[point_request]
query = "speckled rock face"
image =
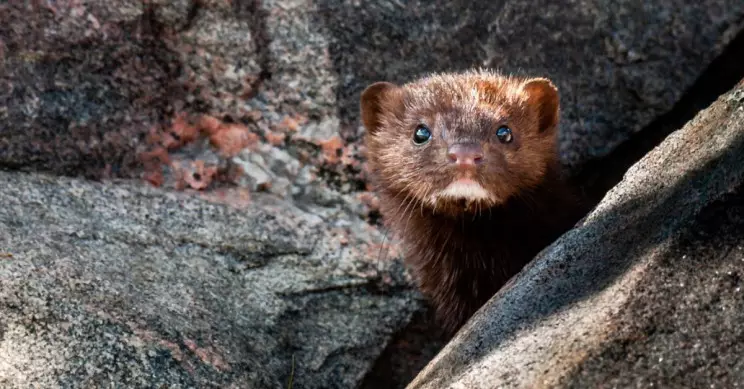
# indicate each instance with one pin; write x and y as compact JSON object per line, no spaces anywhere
{"x":134,"y":287}
{"x":95,"y":87}
{"x":646,"y":291}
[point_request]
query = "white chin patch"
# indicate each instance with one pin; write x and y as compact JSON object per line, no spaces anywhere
{"x":468,"y":190}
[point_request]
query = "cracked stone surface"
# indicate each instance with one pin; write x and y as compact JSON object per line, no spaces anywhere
{"x":133,"y":286}
{"x":646,"y":291}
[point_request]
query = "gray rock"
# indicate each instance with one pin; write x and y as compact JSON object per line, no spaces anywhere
{"x":120,"y":68}
{"x":318,"y":132}
{"x":645,"y":291}
{"x":135,"y":287}
{"x":82,"y":83}
{"x":254,"y":167}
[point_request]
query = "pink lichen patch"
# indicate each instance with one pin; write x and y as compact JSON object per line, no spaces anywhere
{"x":207,"y":355}
{"x":209,"y":124}
{"x":275,"y":138}
{"x":195,"y":175}
{"x":183,"y":129}
{"x":332,"y":149}
{"x":230,"y":139}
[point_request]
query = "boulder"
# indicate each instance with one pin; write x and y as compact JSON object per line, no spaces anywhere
{"x":647,"y":290}
{"x":135,"y":287}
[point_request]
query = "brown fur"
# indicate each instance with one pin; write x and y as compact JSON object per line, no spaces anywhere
{"x":462,"y":252}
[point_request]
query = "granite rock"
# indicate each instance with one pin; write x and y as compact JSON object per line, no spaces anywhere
{"x":129,"y":285}
{"x":83,"y":83}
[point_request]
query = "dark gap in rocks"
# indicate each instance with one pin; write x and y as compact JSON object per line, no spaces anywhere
{"x":407,"y":353}
{"x":599,"y":176}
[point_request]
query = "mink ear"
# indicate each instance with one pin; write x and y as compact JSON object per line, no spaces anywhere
{"x":375,"y":100}
{"x":543,"y":95}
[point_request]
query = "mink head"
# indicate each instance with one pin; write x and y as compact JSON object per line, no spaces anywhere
{"x":450,"y":140}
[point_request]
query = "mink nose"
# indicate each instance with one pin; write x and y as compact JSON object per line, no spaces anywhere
{"x":465,"y":154}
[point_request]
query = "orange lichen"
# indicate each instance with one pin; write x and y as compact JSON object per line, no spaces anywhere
{"x":209,"y":124}
{"x":184,"y":129}
{"x":207,"y":355}
{"x":275,"y":139}
{"x":196,"y":175}
{"x":230,"y":139}
{"x":332,"y":149}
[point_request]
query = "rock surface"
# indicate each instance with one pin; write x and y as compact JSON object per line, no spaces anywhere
{"x":646,"y":291}
{"x":122,"y":285}
{"x":84,"y":83}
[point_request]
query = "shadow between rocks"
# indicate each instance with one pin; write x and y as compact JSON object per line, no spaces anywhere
{"x":599,"y":176}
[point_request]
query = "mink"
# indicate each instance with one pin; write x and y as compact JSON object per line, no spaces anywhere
{"x":467,"y":170}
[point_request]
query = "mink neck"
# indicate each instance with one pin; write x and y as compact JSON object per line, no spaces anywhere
{"x":462,"y":259}
{"x":502,"y":232}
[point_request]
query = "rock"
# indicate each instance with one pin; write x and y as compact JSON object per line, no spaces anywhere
{"x":646,"y":291}
{"x":255,"y":169}
{"x":319,"y":132}
{"x":82,"y":83}
{"x":134,"y":286}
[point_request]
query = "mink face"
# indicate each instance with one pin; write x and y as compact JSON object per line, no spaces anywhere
{"x":466,"y":168}
{"x":461,"y":142}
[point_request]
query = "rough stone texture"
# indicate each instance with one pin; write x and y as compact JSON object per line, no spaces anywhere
{"x":683,"y":329}
{"x":123,"y":285}
{"x":83,"y":83}
{"x":80,"y":86}
{"x":645,"y":291}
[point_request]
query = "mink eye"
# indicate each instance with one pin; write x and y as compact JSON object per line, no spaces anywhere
{"x":421,"y":135}
{"x":504,"y":134}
